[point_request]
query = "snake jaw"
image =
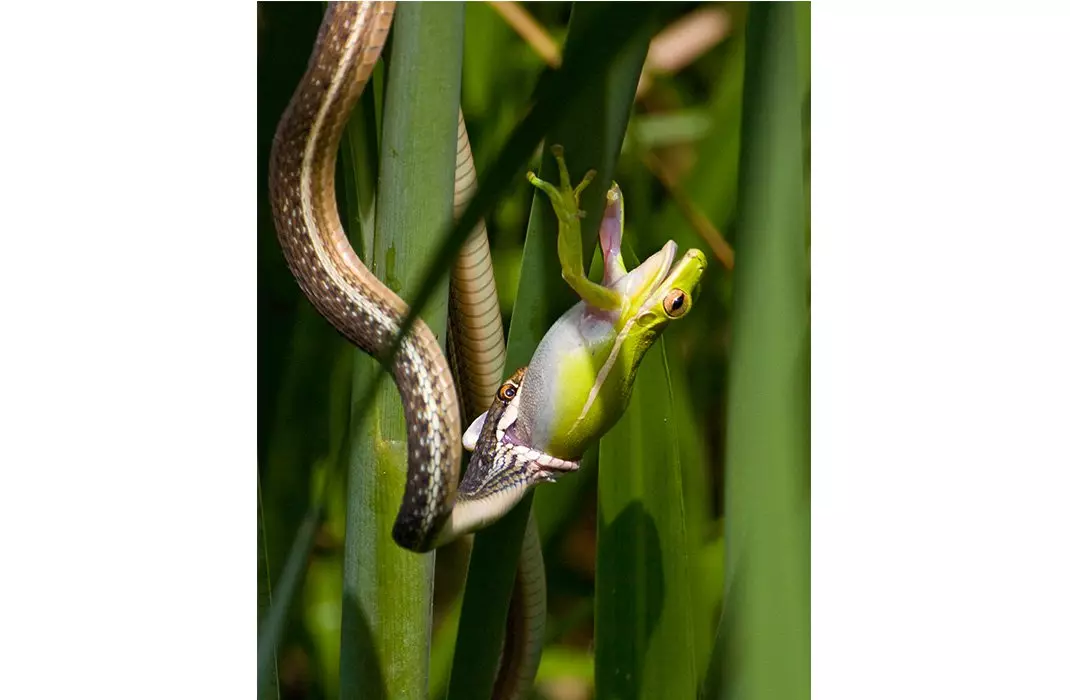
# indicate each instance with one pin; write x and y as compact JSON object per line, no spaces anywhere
{"x":492,"y":487}
{"x":548,"y":467}
{"x":502,"y":469}
{"x":501,"y":462}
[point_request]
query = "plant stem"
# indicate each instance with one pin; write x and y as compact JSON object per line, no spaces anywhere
{"x":386,"y":621}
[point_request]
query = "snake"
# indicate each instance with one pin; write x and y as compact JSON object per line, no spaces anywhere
{"x":370,"y":315}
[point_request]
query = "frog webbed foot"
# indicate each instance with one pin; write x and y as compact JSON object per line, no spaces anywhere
{"x":566,"y":203}
{"x":565,"y":199}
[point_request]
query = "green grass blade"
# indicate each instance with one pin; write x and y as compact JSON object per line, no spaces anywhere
{"x":321,"y":596}
{"x":711,"y":186}
{"x":263,"y":580}
{"x":387,"y":590}
{"x":289,"y":583}
{"x":767,"y":485}
{"x":301,"y":436}
{"x":602,"y":59}
{"x":644,"y":618}
{"x":442,"y":648}
{"x":705,"y":543}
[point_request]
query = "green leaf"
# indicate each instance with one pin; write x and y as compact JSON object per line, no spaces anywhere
{"x":288,"y":585}
{"x":767,"y":483}
{"x":705,"y":545}
{"x":301,"y":435}
{"x":644,"y":618}
{"x":387,"y":590}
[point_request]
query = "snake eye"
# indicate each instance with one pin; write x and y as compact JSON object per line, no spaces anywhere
{"x":676,"y":303}
{"x":506,"y":392}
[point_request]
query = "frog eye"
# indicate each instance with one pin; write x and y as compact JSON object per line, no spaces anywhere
{"x":676,"y":303}
{"x":506,"y":392}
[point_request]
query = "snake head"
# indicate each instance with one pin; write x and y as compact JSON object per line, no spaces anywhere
{"x":501,"y":469}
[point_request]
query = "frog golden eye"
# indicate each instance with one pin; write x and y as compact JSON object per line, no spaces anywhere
{"x":676,"y":303}
{"x":506,"y":392}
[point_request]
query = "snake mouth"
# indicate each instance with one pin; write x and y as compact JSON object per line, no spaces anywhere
{"x":510,"y":465}
{"x":544,"y":467}
{"x":493,"y":485}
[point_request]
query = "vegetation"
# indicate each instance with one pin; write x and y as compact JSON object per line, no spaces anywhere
{"x":677,"y":559}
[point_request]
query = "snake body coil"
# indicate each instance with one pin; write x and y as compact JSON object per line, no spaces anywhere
{"x":362,"y":308}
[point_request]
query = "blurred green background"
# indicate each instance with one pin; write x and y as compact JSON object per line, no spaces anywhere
{"x":681,"y":174}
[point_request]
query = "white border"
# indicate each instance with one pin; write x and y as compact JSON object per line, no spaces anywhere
{"x":129,"y":350}
{"x":941,"y":359}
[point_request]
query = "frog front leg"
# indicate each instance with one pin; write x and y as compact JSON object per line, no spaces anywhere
{"x":566,"y":204}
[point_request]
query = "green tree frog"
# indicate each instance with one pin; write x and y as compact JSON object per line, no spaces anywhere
{"x":580,"y":378}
